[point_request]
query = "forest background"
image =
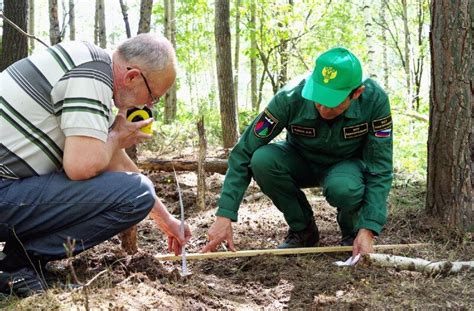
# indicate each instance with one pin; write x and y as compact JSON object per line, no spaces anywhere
{"x":282,"y":38}
{"x":233,"y":57}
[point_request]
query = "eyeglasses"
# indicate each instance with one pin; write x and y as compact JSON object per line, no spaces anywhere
{"x":154,"y":99}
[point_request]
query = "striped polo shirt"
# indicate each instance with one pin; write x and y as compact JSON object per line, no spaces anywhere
{"x":63,"y":91}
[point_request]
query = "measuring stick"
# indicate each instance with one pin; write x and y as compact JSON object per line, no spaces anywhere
{"x":184,"y":266}
{"x":285,"y":251}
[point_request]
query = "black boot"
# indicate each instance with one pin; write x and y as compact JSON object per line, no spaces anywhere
{"x":348,"y":240}
{"x":307,"y":237}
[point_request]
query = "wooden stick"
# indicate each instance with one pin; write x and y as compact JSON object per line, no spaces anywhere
{"x":286,"y":251}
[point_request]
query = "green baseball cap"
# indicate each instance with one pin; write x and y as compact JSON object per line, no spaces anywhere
{"x":336,"y":73}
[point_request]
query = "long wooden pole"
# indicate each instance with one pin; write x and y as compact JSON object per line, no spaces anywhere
{"x":286,"y":251}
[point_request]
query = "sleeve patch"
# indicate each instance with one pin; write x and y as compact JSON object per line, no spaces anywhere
{"x":265,"y":125}
{"x":382,"y":124}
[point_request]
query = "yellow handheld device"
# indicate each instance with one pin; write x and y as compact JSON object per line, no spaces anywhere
{"x":137,"y":114}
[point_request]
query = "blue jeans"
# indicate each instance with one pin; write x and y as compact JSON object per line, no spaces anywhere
{"x":40,"y":213}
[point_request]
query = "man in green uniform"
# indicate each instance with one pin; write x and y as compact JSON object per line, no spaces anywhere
{"x":338,"y":137}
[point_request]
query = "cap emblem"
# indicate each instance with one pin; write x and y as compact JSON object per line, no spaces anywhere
{"x":329,"y":73}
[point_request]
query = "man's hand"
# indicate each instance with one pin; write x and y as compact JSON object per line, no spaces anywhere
{"x":220,"y":231}
{"x":175,"y":238}
{"x":363,"y":243}
{"x":171,"y":227}
{"x":128,"y":133}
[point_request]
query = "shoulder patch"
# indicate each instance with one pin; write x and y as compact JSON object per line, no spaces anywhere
{"x":382,"y":124}
{"x":355,"y":131}
{"x":265,"y":125}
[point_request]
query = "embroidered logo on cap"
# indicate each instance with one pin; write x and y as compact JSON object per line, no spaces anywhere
{"x":265,"y":125}
{"x":329,"y":73}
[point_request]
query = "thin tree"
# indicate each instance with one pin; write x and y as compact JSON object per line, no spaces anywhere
{"x":100,"y":32}
{"x":54,"y":31}
{"x":145,"y":16}
{"x":31,"y":24}
{"x":253,"y":57}
{"x":72,"y":21}
{"x":170,"y":33}
{"x":124,"y":8}
{"x":224,"y":74}
{"x":237,"y":52}
{"x":450,"y":140}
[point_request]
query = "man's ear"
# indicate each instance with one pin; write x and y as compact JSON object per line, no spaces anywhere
{"x":131,"y":76}
{"x":359,"y":91}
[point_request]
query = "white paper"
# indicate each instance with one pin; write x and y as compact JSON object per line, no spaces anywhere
{"x":349,"y":262}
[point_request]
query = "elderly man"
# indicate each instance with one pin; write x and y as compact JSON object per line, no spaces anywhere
{"x":64,"y":173}
{"x":338,"y":137}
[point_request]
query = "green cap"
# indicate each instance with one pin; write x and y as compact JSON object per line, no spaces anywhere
{"x":336,"y":73}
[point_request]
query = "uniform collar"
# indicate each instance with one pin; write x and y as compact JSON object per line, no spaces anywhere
{"x":353,"y":112}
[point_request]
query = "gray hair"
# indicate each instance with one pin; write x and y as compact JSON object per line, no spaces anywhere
{"x":150,"y":52}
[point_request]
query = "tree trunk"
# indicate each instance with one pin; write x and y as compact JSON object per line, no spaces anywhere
{"x":14,"y":44}
{"x":407,"y":55}
{"x":224,"y":74}
{"x":237,"y":53}
{"x":201,"y":172}
{"x":386,"y":70}
{"x":31,"y":24}
{"x":124,"y":9}
{"x":72,"y":21}
{"x":170,"y":33}
{"x":100,"y":31}
{"x":54,"y":32}
{"x":449,"y":193}
{"x":369,"y":65}
{"x":145,"y":16}
{"x":253,"y":57}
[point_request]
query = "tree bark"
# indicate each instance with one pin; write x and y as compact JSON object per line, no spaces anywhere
{"x":31,"y":24}
{"x":170,"y":33}
{"x":72,"y":21}
{"x":224,"y":74}
{"x":145,"y":16}
{"x":124,"y":9}
{"x":14,"y":44}
{"x":449,"y":193}
{"x":54,"y":32}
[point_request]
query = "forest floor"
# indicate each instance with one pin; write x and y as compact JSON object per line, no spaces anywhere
{"x":140,"y":282}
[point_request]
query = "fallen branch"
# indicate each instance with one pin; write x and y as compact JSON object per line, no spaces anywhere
{"x":210,"y":165}
{"x":418,"y":264}
{"x":286,"y":251}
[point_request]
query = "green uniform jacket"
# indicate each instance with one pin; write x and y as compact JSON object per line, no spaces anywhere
{"x":363,"y":131}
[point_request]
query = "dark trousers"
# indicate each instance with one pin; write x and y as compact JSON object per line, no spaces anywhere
{"x":281,"y":173}
{"x":39,"y":214}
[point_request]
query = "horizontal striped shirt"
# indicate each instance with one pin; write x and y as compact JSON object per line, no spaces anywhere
{"x":63,"y":91}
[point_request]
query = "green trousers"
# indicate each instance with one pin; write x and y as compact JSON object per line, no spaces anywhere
{"x":281,"y":173}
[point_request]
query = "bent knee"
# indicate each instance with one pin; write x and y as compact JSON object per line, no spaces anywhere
{"x":343,"y":192}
